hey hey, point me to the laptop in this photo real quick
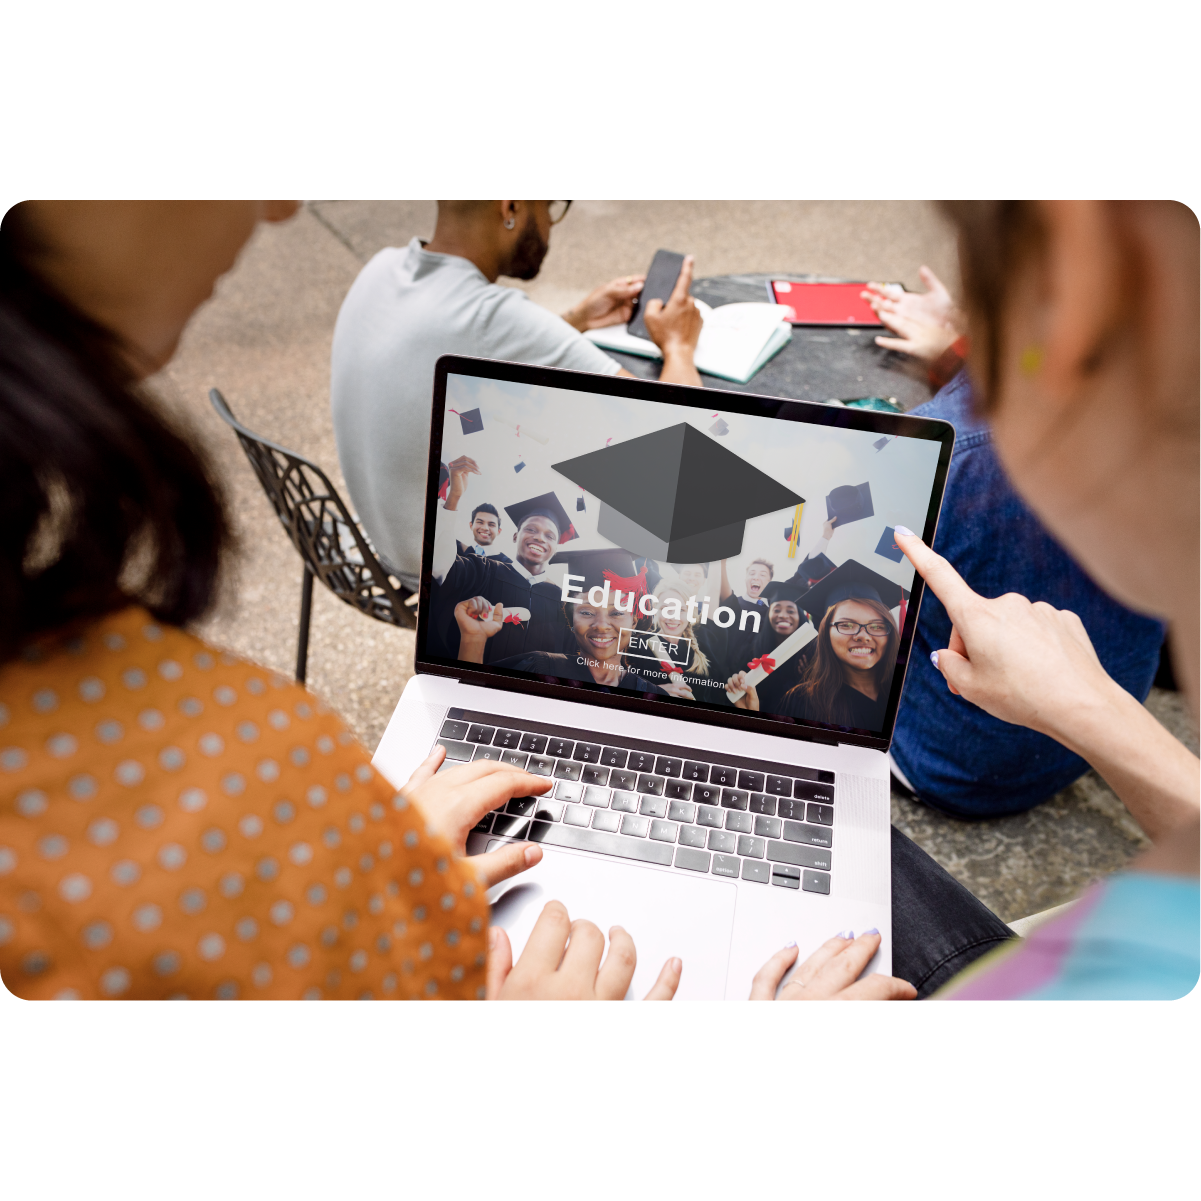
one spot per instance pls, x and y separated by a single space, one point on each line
694 620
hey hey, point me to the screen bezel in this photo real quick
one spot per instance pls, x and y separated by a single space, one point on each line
773 407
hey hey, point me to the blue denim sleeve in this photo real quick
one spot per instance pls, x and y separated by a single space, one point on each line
957 757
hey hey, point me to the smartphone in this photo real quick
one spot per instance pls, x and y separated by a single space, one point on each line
661 279
823 304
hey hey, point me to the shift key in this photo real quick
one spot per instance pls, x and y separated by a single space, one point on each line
457 750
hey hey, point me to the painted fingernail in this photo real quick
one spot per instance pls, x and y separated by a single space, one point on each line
789 945
934 659
873 930
904 529
844 934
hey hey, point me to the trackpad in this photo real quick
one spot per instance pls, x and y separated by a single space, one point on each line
666 913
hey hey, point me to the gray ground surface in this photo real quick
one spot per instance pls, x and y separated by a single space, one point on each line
264 340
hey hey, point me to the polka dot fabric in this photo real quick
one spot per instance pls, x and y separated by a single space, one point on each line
175 822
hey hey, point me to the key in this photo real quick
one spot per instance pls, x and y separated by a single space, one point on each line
624 802
759 872
808 790
696 771
606 819
613 756
533 743
487 752
457 750
548 811
587 752
453 729
481 734
681 811
692 836
706 815
720 840
539 765
794 809
510 825
507 740
523 805
677 790
752 781
577 815
788 852
732 798
740 823
514 758
725 865
784 881
447 764
483 825
763 804
813 881
768 827
727 777
814 836
641 761
664 831
752 848
595 775
560 748
822 815
565 769
706 794
602 841
652 806
812 773
651 785
565 790
598 798
666 766
783 869
778 785
635 827
625 780
694 861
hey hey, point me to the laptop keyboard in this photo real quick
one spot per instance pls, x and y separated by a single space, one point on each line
722 816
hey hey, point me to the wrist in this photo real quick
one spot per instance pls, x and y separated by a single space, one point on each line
1089 724
576 319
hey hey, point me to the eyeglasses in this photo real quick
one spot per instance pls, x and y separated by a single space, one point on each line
558 210
849 628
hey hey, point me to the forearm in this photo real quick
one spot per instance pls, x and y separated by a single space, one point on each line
471 648
444 547
679 368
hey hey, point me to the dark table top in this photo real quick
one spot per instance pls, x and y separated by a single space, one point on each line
820 363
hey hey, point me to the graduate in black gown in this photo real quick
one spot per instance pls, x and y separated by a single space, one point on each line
784 617
595 626
698 673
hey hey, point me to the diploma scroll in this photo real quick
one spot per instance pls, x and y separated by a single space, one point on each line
516 617
791 645
660 652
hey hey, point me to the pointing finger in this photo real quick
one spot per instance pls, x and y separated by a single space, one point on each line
679 294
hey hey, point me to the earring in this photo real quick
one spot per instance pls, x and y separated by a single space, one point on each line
1031 359
510 223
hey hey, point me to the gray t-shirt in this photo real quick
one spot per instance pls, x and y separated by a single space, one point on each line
406 309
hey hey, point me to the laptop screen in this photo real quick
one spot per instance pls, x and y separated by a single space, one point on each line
705 554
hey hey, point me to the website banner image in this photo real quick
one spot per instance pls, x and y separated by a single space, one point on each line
716 558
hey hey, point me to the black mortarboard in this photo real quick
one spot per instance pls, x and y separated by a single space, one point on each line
880 444
851 581
676 495
519 465
850 502
719 428
778 590
812 569
652 571
592 565
471 421
887 546
579 504
546 505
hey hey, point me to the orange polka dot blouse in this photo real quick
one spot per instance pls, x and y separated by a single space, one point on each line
175 822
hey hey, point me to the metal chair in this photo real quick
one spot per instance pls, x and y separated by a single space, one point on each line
330 543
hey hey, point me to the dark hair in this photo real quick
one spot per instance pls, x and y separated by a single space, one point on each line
486 508
821 686
104 504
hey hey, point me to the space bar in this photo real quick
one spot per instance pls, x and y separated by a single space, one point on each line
598 840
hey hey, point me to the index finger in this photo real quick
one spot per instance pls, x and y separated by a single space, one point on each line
947 584
684 282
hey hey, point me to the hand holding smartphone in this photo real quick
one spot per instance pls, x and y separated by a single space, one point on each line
661 278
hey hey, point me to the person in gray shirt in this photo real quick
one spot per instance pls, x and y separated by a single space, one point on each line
411 305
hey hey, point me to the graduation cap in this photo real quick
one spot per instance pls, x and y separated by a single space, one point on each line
851 581
719 428
519 465
850 502
546 505
887 546
880 444
676 495
472 421
579 503
610 565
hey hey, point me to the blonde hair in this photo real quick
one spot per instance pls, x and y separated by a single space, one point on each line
699 664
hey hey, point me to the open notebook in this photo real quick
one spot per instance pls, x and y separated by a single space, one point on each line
736 340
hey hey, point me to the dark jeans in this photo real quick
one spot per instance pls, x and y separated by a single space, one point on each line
938 927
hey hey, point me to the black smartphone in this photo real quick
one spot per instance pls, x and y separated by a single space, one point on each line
661 279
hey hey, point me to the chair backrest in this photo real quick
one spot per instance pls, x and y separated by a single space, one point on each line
320 526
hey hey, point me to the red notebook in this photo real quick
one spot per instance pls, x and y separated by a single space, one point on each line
823 304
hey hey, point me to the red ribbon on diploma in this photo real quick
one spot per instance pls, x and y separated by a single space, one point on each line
511 619
670 668
768 664
633 583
